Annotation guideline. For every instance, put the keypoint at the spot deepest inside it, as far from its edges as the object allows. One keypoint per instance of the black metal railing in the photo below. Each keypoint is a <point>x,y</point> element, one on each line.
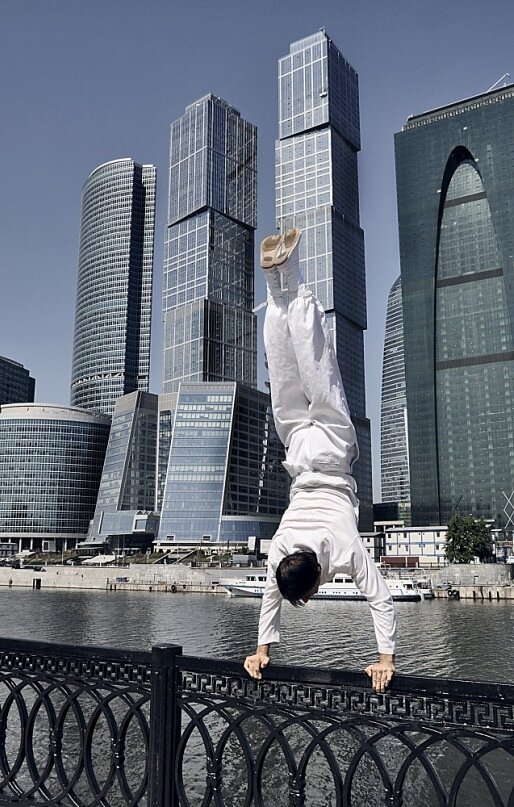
<point>92,726</point>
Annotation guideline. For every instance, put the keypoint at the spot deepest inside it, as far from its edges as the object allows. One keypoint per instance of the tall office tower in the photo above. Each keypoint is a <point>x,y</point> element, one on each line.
<point>16,383</point>
<point>111,350</point>
<point>455,184</point>
<point>394,452</point>
<point>317,190</point>
<point>209,328</point>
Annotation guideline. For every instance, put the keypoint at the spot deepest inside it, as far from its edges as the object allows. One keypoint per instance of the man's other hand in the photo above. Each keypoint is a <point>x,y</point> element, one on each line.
<point>254,664</point>
<point>381,672</point>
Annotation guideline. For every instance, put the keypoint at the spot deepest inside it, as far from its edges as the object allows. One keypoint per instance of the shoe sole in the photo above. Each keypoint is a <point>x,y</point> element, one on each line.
<point>268,249</point>
<point>287,245</point>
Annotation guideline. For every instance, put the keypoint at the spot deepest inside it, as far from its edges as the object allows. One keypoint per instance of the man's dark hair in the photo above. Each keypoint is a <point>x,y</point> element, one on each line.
<point>296,575</point>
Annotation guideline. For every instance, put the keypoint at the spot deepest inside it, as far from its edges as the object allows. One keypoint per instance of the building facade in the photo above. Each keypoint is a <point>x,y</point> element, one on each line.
<point>126,496</point>
<point>111,349</point>
<point>317,190</point>
<point>51,461</point>
<point>16,383</point>
<point>225,480</point>
<point>455,185</point>
<point>415,546</point>
<point>209,327</point>
<point>394,451</point>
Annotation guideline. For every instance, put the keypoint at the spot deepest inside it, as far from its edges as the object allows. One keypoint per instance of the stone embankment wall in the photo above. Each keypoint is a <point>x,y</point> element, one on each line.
<point>136,577</point>
<point>485,581</point>
<point>471,574</point>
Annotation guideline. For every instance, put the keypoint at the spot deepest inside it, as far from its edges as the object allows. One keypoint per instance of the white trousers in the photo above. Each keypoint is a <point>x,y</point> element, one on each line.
<point>310,409</point>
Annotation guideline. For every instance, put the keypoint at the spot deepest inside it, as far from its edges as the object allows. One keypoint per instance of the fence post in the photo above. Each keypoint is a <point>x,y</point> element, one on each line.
<point>164,726</point>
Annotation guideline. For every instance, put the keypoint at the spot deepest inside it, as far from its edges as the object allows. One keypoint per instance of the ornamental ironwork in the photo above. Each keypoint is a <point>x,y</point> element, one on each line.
<point>93,726</point>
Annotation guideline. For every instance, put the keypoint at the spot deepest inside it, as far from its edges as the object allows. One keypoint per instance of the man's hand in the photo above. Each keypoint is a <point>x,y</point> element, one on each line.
<point>381,672</point>
<point>259,661</point>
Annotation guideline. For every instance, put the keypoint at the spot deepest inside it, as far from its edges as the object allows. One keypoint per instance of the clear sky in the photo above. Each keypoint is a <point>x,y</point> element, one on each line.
<point>88,81</point>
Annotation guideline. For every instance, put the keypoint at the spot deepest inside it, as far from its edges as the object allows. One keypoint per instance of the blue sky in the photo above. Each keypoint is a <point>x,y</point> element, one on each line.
<point>87,81</point>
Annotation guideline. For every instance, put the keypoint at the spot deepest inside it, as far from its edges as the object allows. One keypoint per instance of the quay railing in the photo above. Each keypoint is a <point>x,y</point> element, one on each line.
<point>87,726</point>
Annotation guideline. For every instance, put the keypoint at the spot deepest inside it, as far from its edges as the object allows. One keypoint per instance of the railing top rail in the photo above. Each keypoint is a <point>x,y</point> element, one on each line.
<point>490,691</point>
<point>86,652</point>
<point>401,684</point>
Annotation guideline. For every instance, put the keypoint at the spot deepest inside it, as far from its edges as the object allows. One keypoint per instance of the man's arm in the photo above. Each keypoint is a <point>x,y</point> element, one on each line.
<point>269,627</point>
<point>371,583</point>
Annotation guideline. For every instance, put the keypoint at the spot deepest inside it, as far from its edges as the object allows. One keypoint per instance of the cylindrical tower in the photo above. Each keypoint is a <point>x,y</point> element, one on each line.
<point>111,350</point>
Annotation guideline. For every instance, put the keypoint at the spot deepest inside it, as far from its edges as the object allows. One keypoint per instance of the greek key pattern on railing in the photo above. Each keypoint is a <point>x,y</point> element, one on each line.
<point>276,743</point>
<point>361,701</point>
<point>78,735</point>
<point>84,668</point>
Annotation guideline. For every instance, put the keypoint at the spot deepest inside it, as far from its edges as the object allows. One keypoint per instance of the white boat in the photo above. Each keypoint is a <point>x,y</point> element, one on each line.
<point>341,588</point>
<point>425,588</point>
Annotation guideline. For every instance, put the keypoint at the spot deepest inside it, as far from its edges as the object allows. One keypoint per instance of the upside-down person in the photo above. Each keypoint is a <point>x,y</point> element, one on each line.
<point>318,535</point>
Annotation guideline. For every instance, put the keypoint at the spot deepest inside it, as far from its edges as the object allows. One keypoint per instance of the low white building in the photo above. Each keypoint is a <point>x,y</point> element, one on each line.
<point>427,544</point>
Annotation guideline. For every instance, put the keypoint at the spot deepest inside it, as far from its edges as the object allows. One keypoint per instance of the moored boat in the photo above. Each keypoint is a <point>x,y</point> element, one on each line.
<point>341,588</point>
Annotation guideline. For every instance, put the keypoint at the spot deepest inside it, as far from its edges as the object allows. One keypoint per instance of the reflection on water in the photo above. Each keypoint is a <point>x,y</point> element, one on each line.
<point>443,638</point>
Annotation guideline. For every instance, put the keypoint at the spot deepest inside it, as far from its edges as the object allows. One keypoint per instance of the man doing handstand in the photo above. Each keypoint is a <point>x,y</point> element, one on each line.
<point>318,536</point>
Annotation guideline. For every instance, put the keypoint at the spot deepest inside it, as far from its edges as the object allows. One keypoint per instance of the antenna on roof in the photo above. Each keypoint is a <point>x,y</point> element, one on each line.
<point>505,83</point>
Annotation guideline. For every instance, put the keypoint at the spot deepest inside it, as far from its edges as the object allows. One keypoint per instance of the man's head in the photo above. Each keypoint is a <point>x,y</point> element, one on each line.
<point>298,576</point>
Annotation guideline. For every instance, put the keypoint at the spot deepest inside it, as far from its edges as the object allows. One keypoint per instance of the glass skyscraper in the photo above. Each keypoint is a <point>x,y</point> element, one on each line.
<point>455,181</point>
<point>209,327</point>
<point>225,478</point>
<point>317,190</point>
<point>111,350</point>
<point>127,487</point>
<point>16,383</point>
<point>394,454</point>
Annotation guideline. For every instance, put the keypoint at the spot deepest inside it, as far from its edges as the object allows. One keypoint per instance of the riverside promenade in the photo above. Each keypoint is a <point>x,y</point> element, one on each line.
<point>479,582</point>
<point>89,726</point>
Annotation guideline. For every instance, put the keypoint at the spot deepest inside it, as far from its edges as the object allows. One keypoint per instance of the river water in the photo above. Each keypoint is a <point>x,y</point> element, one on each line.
<point>457,639</point>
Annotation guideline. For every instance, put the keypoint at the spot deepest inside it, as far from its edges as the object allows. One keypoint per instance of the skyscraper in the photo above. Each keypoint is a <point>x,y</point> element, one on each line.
<point>317,190</point>
<point>455,199</point>
<point>394,453</point>
<point>219,476</point>
<point>111,350</point>
<point>209,327</point>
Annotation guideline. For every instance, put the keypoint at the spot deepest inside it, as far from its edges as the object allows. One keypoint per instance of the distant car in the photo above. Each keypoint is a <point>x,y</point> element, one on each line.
<point>510,559</point>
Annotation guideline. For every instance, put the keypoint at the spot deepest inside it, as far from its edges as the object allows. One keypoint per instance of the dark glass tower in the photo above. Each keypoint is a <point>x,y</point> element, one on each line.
<point>455,181</point>
<point>394,454</point>
<point>16,383</point>
<point>111,350</point>
<point>209,327</point>
<point>317,190</point>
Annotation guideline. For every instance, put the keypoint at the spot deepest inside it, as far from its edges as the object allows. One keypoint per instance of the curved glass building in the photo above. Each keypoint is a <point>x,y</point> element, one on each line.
<point>51,460</point>
<point>111,349</point>
<point>455,199</point>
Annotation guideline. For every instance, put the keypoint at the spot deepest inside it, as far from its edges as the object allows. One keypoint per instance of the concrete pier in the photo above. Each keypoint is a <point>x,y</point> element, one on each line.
<point>491,592</point>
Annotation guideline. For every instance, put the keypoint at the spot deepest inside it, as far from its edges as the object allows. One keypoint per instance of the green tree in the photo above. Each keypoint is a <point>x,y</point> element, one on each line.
<point>466,539</point>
